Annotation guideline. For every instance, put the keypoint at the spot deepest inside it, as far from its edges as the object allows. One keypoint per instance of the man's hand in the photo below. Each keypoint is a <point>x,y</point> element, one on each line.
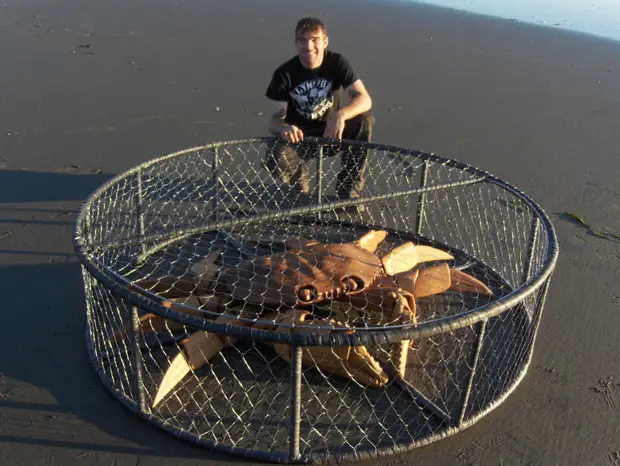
<point>335,126</point>
<point>292,133</point>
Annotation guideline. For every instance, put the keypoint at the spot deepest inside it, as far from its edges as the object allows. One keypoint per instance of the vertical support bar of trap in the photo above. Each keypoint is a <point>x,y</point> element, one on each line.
<point>539,308</point>
<point>296,357</point>
<point>527,272</point>
<point>421,204</point>
<point>319,180</point>
<point>140,211</point>
<point>216,183</point>
<point>137,359</point>
<point>474,367</point>
<point>88,229</point>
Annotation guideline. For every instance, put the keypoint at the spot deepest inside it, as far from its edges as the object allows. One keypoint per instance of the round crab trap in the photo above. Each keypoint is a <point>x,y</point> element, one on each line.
<point>268,316</point>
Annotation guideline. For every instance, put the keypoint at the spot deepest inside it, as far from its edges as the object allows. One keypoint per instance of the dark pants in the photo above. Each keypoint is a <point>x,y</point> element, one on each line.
<point>287,161</point>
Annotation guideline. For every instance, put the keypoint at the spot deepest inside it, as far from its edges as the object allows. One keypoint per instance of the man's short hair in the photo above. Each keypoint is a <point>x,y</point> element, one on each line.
<point>309,24</point>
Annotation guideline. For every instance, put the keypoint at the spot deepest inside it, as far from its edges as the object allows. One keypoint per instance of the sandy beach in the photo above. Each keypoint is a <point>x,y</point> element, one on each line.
<point>90,89</point>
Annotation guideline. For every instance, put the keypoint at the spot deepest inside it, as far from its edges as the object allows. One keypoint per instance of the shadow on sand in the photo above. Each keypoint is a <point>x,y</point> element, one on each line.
<point>42,337</point>
<point>28,186</point>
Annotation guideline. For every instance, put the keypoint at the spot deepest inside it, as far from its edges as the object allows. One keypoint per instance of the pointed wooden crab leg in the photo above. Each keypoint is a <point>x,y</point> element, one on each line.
<point>207,269</point>
<point>349,362</point>
<point>197,350</point>
<point>170,286</point>
<point>318,353</point>
<point>195,286</point>
<point>371,240</point>
<point>405,311</point>
<point>389,305</point>
<point>151,323</point>
<point>460,281</point>
<point>199,281</point>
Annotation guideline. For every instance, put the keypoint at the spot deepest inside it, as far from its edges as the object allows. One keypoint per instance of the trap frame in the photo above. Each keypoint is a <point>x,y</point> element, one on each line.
<point>469,352</point>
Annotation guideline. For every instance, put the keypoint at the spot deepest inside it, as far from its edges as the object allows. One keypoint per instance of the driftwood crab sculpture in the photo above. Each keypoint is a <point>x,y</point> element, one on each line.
<point>282,289</point>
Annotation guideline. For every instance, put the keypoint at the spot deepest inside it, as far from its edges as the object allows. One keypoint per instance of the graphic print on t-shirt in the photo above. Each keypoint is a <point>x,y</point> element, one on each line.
<point>313,98</point>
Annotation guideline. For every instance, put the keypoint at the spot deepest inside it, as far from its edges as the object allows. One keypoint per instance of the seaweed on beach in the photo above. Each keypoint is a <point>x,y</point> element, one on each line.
<point>601,234</point>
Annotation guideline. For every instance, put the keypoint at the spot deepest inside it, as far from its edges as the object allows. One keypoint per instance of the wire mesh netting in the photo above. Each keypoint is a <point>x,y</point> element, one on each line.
<point>273,316</point>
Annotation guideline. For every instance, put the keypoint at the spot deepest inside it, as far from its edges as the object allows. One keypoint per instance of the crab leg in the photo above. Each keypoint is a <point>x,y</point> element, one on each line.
<point>151,323</point>
<point>199,281</point>
<point>404,309</point>
<point>193,285</point>
<point>349,362</point>
<point>398,307</point>
<point>197,350</point>
<point>394,305</point>
<point>319,353</point>
<point>371,240</point>
<point>207,269</point>
<point>460,281</point>
<point>148,323</point>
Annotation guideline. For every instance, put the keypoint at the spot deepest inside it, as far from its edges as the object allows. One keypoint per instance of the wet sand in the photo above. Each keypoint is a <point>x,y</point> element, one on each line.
<point>89,89</point>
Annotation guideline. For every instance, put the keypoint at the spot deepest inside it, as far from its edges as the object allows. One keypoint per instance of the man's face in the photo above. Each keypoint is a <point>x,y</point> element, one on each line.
<point>311,48</point>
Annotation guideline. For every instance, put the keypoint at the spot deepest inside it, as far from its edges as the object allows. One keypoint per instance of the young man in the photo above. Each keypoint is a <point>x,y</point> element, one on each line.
<point>306,91</point>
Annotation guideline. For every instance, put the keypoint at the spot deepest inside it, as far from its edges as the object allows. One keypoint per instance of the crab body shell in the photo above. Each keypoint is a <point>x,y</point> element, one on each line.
<point>299,277</point>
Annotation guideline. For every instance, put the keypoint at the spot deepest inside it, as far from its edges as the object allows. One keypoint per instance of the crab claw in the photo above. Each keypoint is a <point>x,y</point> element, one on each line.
<point>406,256</point>
<point>438,279</point>
<point>427,281</point>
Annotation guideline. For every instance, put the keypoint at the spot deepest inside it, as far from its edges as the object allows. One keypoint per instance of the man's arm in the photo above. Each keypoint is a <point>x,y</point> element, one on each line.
<point>279,127</point>
<point>360,100</point>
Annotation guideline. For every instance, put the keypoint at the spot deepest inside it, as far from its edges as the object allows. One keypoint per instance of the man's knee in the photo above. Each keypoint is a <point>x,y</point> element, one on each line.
<point>367,121</point>
<point>283,162</point>
<point>362,127</point>
<point>275,157</point>
<point>368,125</point>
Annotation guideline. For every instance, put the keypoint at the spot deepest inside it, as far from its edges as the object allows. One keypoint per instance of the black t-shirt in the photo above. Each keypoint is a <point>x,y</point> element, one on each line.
<point>312,95</point>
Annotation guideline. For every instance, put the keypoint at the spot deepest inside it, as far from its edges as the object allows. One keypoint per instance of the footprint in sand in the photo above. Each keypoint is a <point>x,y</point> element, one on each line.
<point>607,387</point>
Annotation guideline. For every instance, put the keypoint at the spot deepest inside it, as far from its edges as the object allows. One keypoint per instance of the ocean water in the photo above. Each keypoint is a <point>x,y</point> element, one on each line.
<point>594,17</point>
